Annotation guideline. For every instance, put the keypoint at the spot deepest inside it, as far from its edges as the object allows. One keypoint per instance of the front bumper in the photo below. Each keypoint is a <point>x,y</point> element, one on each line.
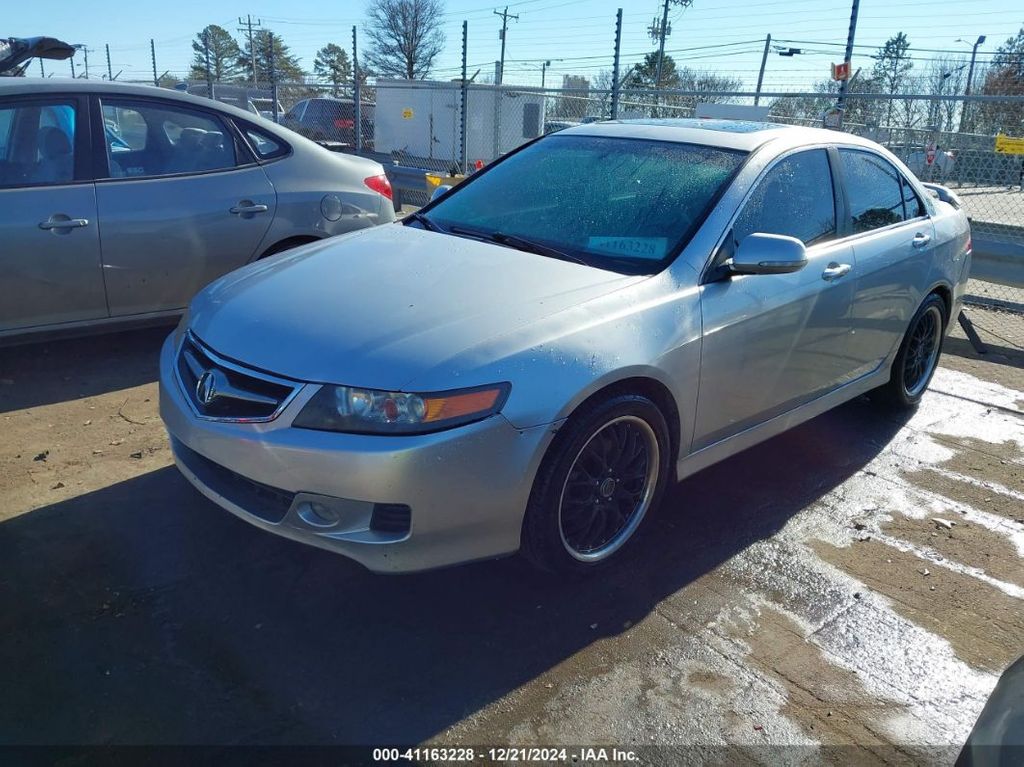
<point>467,487</point>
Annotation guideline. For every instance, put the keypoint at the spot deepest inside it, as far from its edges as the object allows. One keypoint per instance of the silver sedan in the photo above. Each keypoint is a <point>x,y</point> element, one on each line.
<point>119,202</point>
<point>527,362</point>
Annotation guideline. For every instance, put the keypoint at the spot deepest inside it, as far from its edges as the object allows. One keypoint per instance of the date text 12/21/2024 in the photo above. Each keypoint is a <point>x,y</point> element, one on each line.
<point>502,754</point>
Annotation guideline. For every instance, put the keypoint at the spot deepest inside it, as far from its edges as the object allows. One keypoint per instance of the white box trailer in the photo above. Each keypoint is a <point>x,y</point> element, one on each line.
<point>421,118</point>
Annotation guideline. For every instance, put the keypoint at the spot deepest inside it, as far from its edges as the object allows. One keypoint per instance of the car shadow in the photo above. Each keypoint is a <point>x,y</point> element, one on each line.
<point>55,371</point>
<point>143,613</point>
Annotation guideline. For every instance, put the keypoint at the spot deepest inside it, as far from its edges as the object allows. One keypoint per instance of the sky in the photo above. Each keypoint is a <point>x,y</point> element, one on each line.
<point>724,36</point>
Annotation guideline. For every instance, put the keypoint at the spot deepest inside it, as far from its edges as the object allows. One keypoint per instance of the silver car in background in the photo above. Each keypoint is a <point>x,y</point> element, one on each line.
<point>119,202</point>
<point>528,361</point>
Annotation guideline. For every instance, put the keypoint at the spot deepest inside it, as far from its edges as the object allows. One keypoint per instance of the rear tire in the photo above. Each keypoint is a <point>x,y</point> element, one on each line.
<point>604,473</point>
<point>918,357</point>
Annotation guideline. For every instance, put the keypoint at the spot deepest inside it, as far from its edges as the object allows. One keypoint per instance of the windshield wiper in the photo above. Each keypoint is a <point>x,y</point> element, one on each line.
<point>424,221</point>
<point>520,243</point>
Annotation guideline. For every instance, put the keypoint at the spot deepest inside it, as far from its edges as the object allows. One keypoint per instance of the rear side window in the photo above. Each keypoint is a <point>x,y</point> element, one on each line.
<point>795,198</point>
<point>875,190</point>
<point>146,139</point>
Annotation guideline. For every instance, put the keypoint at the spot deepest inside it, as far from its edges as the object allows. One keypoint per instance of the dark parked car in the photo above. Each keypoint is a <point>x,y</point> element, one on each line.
<point>330,119</point>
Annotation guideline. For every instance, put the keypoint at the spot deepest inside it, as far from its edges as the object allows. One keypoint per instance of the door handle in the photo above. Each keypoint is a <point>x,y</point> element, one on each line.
<point>834,271</point>
<point>921,239</point>
<point>66,223</point>
<point>248,208</point>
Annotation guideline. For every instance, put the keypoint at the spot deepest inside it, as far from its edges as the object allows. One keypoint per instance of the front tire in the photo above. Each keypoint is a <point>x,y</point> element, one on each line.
<point>606,470</point>
<point>918,357</point>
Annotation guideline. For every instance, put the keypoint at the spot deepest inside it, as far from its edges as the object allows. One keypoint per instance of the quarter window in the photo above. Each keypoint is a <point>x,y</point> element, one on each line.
<point>37,144</point>
<point>876,191</point>
<point>265,146</point>
<point>795,198</point>
<point>146,139</point>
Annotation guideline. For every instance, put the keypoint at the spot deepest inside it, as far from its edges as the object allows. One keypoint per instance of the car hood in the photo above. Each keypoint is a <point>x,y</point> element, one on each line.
<point>378,307</point>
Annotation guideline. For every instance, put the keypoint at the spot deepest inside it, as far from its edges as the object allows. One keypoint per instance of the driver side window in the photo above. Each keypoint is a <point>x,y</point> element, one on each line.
<point>795,198</point>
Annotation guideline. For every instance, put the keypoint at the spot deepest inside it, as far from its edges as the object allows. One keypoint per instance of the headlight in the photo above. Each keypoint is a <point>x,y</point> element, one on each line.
<point>369,411</point>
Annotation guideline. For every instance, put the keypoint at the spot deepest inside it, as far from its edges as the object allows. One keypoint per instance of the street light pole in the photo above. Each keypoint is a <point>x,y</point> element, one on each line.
<point>970,78</point>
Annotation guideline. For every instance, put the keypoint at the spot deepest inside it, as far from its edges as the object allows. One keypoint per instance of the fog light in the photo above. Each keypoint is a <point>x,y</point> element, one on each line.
<point>318,514</point>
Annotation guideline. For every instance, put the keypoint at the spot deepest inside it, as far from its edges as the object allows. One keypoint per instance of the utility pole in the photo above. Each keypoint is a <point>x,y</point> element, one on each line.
<point>662,30</point>
<point>614,114</point>
<point>152,57</point>
<point>110,72</point>
<point>85,52</point>
<point>356,93</point>
<point>760,75</point>
<point>71,61</point>
<point>505,16</point>
<point>249,27</point>
<point>42,72</point>
<point>845,84</point>
<point>970,79</point>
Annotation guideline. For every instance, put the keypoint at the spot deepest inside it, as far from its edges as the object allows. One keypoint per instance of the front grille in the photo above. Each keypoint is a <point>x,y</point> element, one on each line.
<point>222,390</point>
<point>390,518</point>
<point>268,503</point>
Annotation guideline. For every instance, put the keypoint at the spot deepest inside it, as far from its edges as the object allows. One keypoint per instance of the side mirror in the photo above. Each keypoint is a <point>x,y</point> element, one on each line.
<point>768,254</point>
<point>443,189</point>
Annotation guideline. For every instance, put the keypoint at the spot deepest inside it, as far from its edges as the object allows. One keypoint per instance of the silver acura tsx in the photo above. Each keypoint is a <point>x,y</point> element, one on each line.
<point>528,361</point>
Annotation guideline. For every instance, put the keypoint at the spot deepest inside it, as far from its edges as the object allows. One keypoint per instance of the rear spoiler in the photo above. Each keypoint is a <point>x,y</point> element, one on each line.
<point>942,193</point>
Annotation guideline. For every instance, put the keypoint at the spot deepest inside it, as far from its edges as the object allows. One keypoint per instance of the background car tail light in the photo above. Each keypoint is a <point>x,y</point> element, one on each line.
<point>339,123</point>
<point>379,184</point>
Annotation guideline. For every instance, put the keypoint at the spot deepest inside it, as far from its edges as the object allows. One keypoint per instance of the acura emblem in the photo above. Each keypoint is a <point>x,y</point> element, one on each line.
<point>208,384</point>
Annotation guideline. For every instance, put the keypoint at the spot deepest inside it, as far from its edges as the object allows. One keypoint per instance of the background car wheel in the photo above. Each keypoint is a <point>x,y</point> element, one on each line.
<point>915,363</point>
<point>598,482</point>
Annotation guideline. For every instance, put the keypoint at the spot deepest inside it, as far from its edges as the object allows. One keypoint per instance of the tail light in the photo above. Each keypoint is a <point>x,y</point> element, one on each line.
<point>340,124</point>
<point>379,184</point>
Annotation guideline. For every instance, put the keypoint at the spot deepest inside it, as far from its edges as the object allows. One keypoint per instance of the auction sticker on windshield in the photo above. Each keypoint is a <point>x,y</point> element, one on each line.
<point>653,248</point>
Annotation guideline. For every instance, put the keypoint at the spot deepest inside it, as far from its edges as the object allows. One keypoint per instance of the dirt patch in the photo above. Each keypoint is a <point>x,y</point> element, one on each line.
<point>963,490</point>
<point>966,543</point>
<point>984,626</point>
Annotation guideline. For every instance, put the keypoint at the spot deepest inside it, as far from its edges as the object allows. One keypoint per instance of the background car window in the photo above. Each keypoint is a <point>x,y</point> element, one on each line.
<point>795,198</point>
<point>591,196</point>
<point>38,144</point>
<point>873,187</point>
<point>145,139</point>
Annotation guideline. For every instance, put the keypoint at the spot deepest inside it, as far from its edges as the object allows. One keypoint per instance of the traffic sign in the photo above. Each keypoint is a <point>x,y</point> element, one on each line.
<point>841,71</point>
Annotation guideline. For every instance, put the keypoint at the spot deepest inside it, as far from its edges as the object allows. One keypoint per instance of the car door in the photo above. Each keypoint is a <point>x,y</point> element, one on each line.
<point>773,342</point>
<point>892,237</point>
<point>181,204</point>
<point>50,252</point>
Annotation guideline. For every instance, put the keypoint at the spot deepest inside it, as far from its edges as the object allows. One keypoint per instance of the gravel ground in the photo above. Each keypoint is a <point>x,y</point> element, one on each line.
<point>856,581</point>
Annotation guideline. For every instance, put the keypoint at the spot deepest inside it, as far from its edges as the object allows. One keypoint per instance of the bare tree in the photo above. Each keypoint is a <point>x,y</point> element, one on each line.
<point>946,76</point>
<point>405,37</point>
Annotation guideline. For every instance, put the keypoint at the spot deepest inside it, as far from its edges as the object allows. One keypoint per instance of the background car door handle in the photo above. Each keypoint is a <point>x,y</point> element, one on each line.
<point>834,271</point>
<point>64,223</point>
<point>921,239</point>
<point>248,208</point>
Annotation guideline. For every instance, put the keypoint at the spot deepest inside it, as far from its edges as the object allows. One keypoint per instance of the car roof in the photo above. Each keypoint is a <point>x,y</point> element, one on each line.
<point>729,134</point>
<point>19,86</point>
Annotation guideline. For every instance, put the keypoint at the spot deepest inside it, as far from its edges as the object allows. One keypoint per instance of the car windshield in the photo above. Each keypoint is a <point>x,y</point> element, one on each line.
<point>623,204</point>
